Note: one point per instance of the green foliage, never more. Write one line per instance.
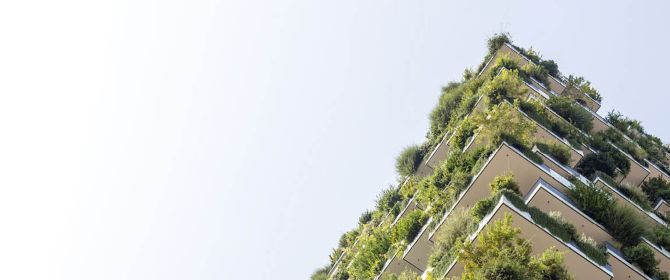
(623, 223)
(409, 160)
(365, 217)
(482, 208)
(454, 230)
(551, 67)
(461, 134)
(537, 72)
(451, 97)
(617, 139)
(493, 44)
(501, 254)
(551, 266)
(663, 237)
(456, 101)
(585, 87)
(504, 122)
(559, 152)
(371, 256)
(657, 188)
(405, 275)
(643, 256)
(320, 274)
(635, 194)
(504, 61)
(388, 199)
(506, 84)
(497, 40)
(572, 112)
(341, 274)
(536, 110)
(408, 226)
(607, 160)
(595, 162)
(504, 182)
(652, 145)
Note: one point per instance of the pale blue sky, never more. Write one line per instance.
(240, 139)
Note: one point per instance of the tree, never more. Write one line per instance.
(501, 254)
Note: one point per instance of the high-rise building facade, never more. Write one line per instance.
(519, 177)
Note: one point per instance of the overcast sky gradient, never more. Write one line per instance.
(240, 139)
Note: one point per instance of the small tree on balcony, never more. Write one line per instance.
(501, 254)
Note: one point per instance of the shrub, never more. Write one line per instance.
(504, 61)
(505, 122)
(459, 225)
(341, 274)
(482, 208)
(595, 162)
(591, 200)
(559, 152)
(493, 44)
(408, 227)
(501, 254)
(536, 71)
(572, 112)
(663, 237)
(451, 97)
(320, 274)
(506, 84)
(365, 217)
(643, 256)
(388, 198)
(584, 86)
(656, 188)
(624, 224)
(405, 275)
(551, 266)
(371, 256)
(497, 40)
(635, 194)
(551, 67)
(504, 182)
(409, 160)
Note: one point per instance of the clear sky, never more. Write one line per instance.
(238, 140)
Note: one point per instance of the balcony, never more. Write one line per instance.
(655, 172)
(599, 123)
(582, 98)
(504, 159)
(661, 255)
(625, 201)
(548, 199)
(638, 172)
(576, 262)
(555, 85)
(621, 268)
(662, 208)
(507, 159)
(441, 151)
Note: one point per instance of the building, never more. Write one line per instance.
(518, 139)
